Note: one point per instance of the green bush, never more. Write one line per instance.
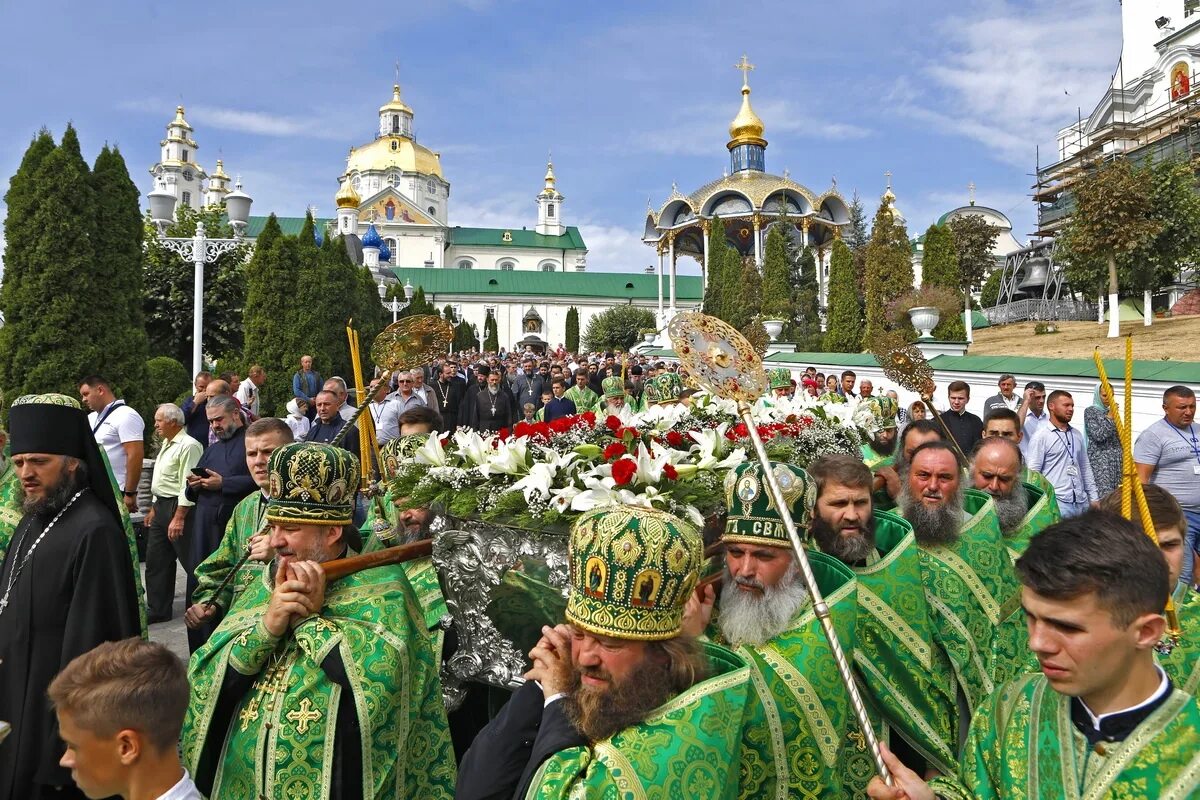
(616, 328)
(166, 381)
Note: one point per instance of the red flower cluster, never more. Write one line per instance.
(670, 472)
(769, 432)
(623, 470)
(543, 431)
(675, 439)
(615, 450)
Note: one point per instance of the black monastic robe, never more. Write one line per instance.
(75, 592)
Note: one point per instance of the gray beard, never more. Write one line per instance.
(752, 619)
(1011, 509)
(933, 526)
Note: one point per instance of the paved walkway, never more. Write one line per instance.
(172, 633)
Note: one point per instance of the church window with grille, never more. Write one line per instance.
(550, 210)
(183, 156)
(464, 264)
(507, 266)
(187, 198)
(187, 174)
(395, 123)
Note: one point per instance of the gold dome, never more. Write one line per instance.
(346, 197)
(179, 121)
(394, 152)
(395, 104)
(747, 127)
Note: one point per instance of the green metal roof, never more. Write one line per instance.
(494, 237)
(1183, 372)
(290, 226)
(616, 286)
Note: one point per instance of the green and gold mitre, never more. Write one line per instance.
(831, 397)
(312, 484)
(632, 571)
(50, 398)
(613, 386)
(399, 451)
(666, 388)
(885, 411)
(753, 517)
(780, 378)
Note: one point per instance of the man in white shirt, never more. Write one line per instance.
(248, 390)
(118, 430)
(405, 397)
(385, 412)
(1032, 413)
(1008, 397)
(168, 515)
(1058, 452)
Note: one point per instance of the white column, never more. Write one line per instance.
(968, 320)
(757, 243)
(704, 266)
(1147, 312)
(198, 254)
(660, 292)
(671, 260)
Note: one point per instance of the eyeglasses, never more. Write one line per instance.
(404, 380)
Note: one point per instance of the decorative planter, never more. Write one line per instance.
(774, 328)
(649, 337)
(925, 319)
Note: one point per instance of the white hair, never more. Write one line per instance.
(171, 413)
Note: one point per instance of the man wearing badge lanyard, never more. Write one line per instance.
(1167, 454)
(1057, 451)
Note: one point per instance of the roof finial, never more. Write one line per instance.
(971, 191)
(888, 175)
(833, 182)
(745, 66)
(397, 71)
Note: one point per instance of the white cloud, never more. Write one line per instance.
(260, 123)
(1012, 74)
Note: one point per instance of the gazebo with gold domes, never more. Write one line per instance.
(745, 202)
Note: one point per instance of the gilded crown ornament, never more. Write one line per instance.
(780, 378)
(312, 484)
(753, 516)
(632, 570)
(613, 386)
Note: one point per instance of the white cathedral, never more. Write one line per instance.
(392, 209)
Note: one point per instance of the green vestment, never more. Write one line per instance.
(976, 602)
(381, 521)
(1183, 663)
(801, 747)
(10, 505)
(1039, 480)
(1022, 746)
(584, 399)
(906, 679)
(277, 739)
(247, 520)
(688, 747)
(1043, 512)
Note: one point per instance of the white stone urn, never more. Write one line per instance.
(925, 319)
(774, 328)
(649, 337)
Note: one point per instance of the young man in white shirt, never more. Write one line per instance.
(120, 708)
(118, 430)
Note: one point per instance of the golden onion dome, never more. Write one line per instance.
(395, 104)
(394, 152)
(747, 127)
(346, 197)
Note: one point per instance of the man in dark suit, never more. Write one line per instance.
(493, 408)
(448, 393)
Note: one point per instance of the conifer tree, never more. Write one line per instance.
(776, 289)
(272, 321)
(54, 325)
(419, 306)
(368, 316)
(330, 298)
(719, 262)
(889, 270)
(844, 331)
(572, 336)
(857, 238)
(491, 334)
(939, 267)
(743, 298)
(118, 264)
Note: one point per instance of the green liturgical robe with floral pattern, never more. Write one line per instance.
(10, 504)
(975, 597)
(1183, 662)
(799, 748)
(689, 747)
(1043, 512)
(1022, 746)
(247, 520)
(348, 704)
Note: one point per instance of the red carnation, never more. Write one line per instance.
(623, 471)
(502, 434)
(670, 472)
(562, 424)
(522, 429)
(613, 424)
(588, 416)
(614, 450)
(674, 438)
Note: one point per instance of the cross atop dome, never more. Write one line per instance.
(745, 66)
(746, 143)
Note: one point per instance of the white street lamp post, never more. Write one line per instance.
(397, 306)
(199, 249)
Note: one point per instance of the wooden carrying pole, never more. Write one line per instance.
(341, 567)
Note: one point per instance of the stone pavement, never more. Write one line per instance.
(172, 633)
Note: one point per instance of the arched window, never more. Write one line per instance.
(549, 266)
(464, 264)
(507, 266)
(432, 210)
(395, 123)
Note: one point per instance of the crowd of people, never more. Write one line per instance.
(1005, 625)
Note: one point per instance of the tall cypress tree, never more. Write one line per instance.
(54, 326)
(491, 334)
(118, 248)
(572, 337)
(776, 289)
(806, 322)
(271, 319)
(889, 270)
(857, 238)
(744, 298)
(715, 304)
(18, 292)
(368, 317)
(844, 331)
(939, 267)
(330, 297)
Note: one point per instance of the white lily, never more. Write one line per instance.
(602, 492)
(710, 449)
(507, 459)
(537, 482)
(650, 467)
(432, 452)
(472, 446)
(560, 499)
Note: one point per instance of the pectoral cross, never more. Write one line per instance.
(303, 715)
(745, 66)
(249, 713)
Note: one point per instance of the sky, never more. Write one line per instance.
(629, 97)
